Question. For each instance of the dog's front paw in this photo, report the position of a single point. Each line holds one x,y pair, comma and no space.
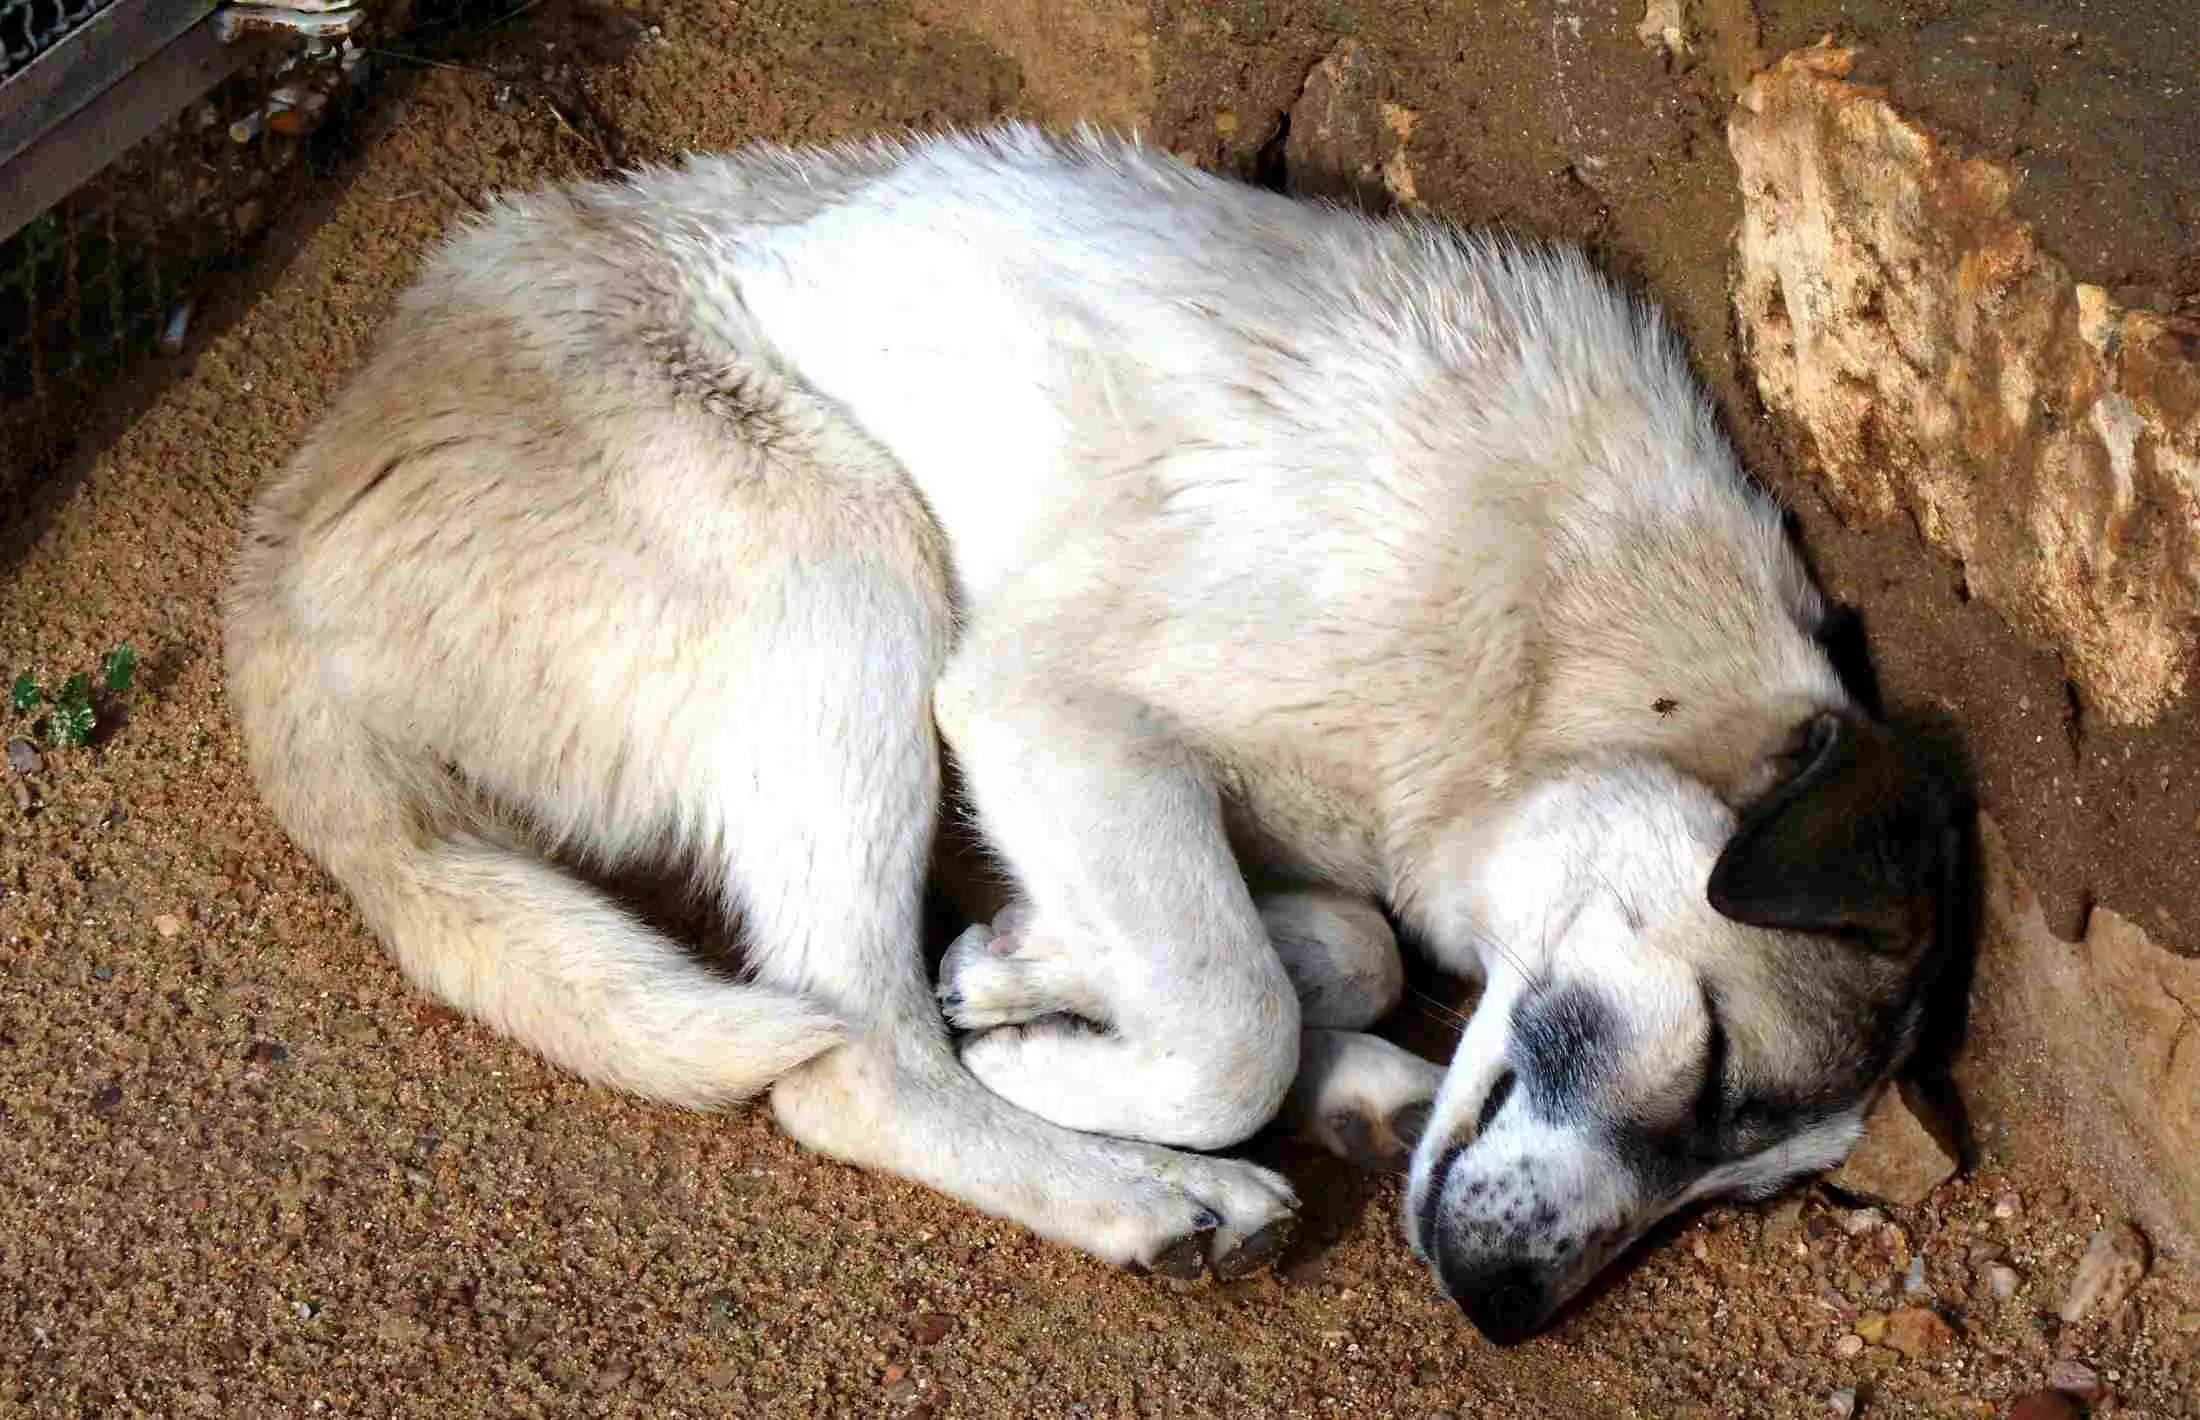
1004,974
1245,1218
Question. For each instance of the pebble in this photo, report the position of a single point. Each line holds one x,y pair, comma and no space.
2075,1378
1918,1332
106,1099
2007,1206
1872,1327
930,1328
2115,1262
399,1330
1782,1224
168,926
2002,1281
267,1052
2045,1405
25,801
23,756
1849,1347
1900,1159
1913,1279
1862,1221
1842,1403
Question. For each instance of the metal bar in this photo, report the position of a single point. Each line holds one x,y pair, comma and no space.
63,159
87,61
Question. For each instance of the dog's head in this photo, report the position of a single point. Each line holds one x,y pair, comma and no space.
1679,1004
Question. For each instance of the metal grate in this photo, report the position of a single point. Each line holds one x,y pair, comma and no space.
28,28
109,273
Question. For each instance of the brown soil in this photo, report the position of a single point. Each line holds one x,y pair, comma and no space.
247,1172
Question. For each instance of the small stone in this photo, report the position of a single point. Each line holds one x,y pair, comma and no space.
930,1328
26,802
902,1390
1842,1403
107,1099
1913,1279
267,1052
2045,1405
1226,123
2002,1281
2007,1206
1918,1332
1872,1327
168,926
2115,1261
2074,1377
1862,1221
1849,1347
400,1330
1782,1224
1900,1159
23,756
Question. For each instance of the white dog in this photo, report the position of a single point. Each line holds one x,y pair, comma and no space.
1222,537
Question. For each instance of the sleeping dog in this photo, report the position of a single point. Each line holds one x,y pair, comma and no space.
1225,540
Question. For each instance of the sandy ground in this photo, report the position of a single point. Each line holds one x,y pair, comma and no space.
243,1171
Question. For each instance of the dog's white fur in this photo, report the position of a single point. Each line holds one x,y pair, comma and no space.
1218,530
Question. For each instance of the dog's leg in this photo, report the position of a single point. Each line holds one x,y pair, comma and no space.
831,900
1340,954
1356,1095
1141,918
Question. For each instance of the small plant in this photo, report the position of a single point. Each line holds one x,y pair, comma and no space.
73,712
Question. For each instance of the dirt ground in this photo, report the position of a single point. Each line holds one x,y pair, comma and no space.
244,1171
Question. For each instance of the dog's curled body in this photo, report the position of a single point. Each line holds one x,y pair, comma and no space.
1218,533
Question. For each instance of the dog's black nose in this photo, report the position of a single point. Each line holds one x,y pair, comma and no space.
1506,1303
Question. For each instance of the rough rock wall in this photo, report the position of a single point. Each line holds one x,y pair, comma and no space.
1927,358
1933,361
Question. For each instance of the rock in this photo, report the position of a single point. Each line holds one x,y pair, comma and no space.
1913,1278
2109,1030
930,1328
1918,1332
1937,365
107,1099
2007,1206
1842,1403
168,926
1345,140
2002,1281
2076,1378
1900,1159
1849,1347
23,756
2115,1262
267,1052
1872,1327
2045,1405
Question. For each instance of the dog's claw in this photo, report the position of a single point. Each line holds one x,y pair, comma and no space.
1183,1260
1257,1251
1409,1122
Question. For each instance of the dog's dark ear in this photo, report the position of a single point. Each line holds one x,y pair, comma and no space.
1858,842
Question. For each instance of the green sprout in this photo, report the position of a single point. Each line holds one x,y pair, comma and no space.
72,714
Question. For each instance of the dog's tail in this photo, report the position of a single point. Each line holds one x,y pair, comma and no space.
478,919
